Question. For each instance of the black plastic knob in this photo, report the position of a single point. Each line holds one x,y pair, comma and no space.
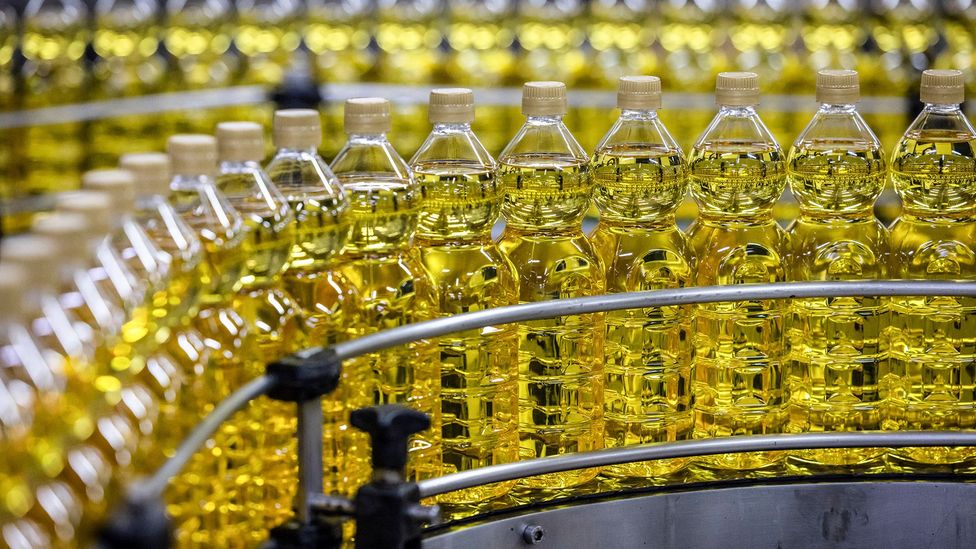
389,428
304,375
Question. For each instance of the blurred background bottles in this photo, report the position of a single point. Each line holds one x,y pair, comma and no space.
933,167
640,177
737,172
838,346
380,261
545,175
460,201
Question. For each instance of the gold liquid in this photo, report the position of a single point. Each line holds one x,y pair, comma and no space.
838,349
933,339
739,346
647,369
479,398
560,360
394,290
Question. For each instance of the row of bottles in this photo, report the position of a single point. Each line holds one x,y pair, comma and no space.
169,283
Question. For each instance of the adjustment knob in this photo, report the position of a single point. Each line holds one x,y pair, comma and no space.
390,428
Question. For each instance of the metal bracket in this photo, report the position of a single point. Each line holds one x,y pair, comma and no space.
304,375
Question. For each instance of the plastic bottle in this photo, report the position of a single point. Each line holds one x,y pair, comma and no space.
461,200
545,175
641,177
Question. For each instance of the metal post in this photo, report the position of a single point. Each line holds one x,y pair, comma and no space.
309,457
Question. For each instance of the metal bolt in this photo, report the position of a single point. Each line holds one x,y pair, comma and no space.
533,534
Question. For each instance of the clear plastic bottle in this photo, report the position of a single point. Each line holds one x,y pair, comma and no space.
379,260
737,172
837,348
933,339
461,200
641,177
545,175
212,474
273,317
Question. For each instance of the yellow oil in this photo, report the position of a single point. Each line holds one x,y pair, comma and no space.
394,290
739,346
933,339
479,396
560,360
647,370
267,33
838,347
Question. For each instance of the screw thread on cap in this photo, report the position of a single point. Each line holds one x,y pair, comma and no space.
737,89
297,129
364,115
641,93
943,87
96,207
149,170
193,154
544,99
117,184
838,87
240,142
451,106
13,281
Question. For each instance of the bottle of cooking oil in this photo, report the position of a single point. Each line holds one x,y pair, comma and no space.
641,177
267,35
212,474
273,318
461,200
932,341
328,301
545,175
381,263
837,349
737,173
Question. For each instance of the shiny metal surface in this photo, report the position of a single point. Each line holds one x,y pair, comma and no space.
309,457
892,515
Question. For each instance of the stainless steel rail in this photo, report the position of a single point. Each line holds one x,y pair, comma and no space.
690,448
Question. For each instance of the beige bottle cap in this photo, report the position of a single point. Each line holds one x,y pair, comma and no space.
451,106
544,99
118,184
13,282
297,129
240,142
367,115
838,87
193,154
943,87
38,255
95,206
70,230
737,89
639,93
150,171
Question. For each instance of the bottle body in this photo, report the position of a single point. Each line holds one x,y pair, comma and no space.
838,349
640,179
737,173
560,360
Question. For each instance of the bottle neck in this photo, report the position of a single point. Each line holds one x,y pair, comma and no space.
235,166
634,114
451,128
550,120
368,139
943,108
838,108
741,111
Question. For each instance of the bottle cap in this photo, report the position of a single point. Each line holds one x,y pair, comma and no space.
838,87
70,230
943,87
38,255
737,89
240,142
544,99
367,115
150,172
96,207
451,106
13,282
297,129
639,93
117,184
193,154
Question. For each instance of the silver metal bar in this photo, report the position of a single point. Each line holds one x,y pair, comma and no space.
689,448
154,485
654,298
309,457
